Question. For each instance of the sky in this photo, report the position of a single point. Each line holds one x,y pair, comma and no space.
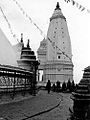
40,11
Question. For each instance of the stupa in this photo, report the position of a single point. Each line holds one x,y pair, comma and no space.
81,97
28,59
54,53
7,54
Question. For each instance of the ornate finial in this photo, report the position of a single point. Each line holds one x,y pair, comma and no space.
21,37
57,6
28,46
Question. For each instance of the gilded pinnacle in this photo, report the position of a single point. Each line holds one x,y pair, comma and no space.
57,6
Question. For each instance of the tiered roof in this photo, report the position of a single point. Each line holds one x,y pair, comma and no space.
83,89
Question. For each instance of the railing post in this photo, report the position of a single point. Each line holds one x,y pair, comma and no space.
12,93
25,85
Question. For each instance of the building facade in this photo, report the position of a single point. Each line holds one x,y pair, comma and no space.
54,53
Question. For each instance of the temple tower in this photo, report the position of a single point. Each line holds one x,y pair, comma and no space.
58,64
25,57
59,36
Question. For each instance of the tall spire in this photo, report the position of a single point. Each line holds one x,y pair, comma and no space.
28,46
21,37
57,6
57,13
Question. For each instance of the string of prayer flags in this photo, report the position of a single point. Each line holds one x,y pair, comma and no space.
79,6
9,25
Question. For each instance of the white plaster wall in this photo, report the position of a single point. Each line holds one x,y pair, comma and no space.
7,54
58,71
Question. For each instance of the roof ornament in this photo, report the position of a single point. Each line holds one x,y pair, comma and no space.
28,46
57,6
21,37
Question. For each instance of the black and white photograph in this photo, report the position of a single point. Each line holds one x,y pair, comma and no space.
44,60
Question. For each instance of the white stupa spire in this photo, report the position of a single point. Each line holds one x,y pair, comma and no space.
57,13
59,35
55,53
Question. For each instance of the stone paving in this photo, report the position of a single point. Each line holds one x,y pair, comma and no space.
43,106
59,113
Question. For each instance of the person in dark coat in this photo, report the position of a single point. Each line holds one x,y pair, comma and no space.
54,87
48,86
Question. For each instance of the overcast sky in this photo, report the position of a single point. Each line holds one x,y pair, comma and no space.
40,11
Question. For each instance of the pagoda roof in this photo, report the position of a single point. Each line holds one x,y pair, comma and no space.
87,68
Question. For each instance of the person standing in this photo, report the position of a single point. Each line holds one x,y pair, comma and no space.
48,86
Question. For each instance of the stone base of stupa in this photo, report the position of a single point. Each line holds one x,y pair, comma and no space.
81,97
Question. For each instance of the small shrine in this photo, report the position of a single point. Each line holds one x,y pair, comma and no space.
28,59
81,97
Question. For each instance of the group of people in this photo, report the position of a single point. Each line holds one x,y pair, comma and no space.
68,86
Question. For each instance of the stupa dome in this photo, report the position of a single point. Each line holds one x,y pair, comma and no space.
7,54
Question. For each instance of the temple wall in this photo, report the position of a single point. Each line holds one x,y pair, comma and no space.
56,71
